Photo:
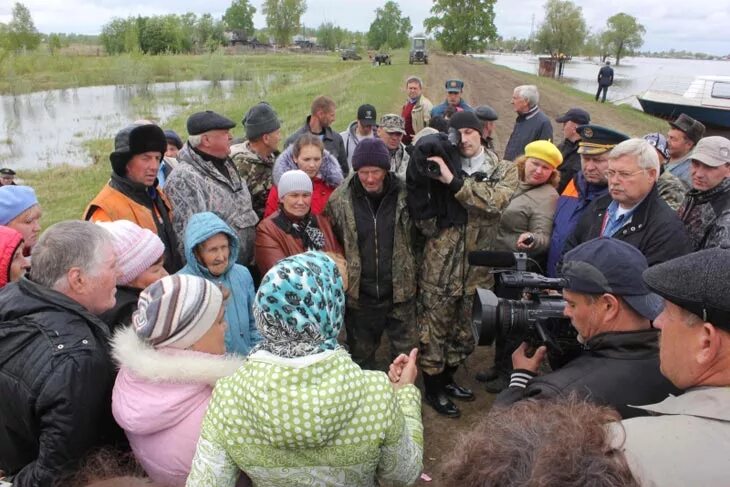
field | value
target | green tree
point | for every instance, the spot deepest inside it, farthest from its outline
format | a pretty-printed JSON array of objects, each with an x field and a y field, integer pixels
[
  {"x": 329, "y": 35},
  {"x": 623, "y": 34},
  {"x": 564, "y": 29},
  {"x": 54, "y": 43},
  {"x": 283, "y": 18},
  {"x": 239, "y": 17},
  {"x": 390, "y": 28},
  {"x": 22, "y": 34},
  {"x": 462, "y": 25}
]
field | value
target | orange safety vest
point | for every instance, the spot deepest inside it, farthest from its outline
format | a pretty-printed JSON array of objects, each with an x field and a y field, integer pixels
[
  {"x": 112, "y": 205},
  {"x": 571, "y": 190}
]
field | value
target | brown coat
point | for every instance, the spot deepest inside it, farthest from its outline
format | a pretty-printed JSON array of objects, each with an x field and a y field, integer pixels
[{"x": 273, "y": 244}]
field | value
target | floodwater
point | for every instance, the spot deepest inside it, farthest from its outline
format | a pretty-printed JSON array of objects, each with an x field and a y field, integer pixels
[
  {"x": 634, "y": 76},
  {"x": 47, "y": 128}
]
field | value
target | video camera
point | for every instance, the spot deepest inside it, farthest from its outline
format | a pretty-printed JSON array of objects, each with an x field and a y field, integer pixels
[{"x": 536, "y": 318}]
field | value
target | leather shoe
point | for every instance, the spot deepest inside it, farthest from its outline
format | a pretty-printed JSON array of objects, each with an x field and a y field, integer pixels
[
  {"x": 443, "y": 405},
  {"x": 457, "y": 392},
  {"x": 486, "y": 375}
]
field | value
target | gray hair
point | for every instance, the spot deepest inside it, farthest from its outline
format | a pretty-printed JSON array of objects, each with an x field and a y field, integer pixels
[
  {"x": 65, "y": 245},
  {"x": 529, "y": 93},
  {"x": 646, "y": 156},
  {"x": 414, "y": 79},
  {"x": 195, "y": 140}
]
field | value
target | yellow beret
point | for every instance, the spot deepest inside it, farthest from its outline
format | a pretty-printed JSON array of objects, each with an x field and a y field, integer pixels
[{"x": 545, "y": 151}]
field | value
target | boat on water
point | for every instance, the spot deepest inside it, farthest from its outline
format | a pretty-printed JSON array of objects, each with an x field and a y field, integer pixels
[{"x": 705, "y": 98}]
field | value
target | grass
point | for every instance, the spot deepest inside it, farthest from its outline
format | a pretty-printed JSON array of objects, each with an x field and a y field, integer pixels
[{"x": 288, "y": 82}]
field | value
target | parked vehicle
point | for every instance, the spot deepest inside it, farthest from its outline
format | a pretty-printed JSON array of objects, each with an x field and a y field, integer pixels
[
  {"x": 381, "y": 58},
  {"x": 350, "y": 54},
  {"x": 418, "y": 52}
]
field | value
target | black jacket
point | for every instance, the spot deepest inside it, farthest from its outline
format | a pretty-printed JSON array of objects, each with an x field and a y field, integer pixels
[
  {"x": 332, "y": 142},
  {"x": 655, "y": 229},
  {"x": 614, "y": 369},
  {"x": 605, "y": 76},
  {"x": 571, "y": 163},
  {"x": 121, "y": 314},
  {"x": 529, "y": 127},
  {"x": 56, "y": 378}
]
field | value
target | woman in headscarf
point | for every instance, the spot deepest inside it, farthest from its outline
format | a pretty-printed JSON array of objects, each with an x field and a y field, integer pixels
[
  {"x": 13, "y": 264},
  {"x": 294, "y": 228},
  {"x": 300, "y": 412}
]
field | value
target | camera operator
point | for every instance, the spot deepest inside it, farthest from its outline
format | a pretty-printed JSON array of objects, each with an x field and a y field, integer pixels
[
  {"x": 611, "y": 308},
  {"x": 456, "y": 192}
]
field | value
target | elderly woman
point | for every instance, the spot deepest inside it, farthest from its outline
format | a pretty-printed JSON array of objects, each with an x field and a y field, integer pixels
[
  {"x": 307, "y": 153},
  {"x": 300, "y": 412},
  {"x": 294, "y": 228},
  {"x": 170, "y": 359},
  {"x": 19, "y": 209},
  {"x": 13, "y": 264}
]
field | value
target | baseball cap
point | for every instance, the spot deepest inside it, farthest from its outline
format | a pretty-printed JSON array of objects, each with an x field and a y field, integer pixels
[
  {"x": 576, "y": 115},
  {"x": 659, "y": 142},
  {"x": 712, "y": 151},
  {"x": 393, "y": 123},
  {"x": 366, "y": 114}
]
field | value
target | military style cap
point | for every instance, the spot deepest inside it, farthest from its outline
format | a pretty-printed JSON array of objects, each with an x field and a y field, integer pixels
[
  {"x": 712, "y": 151},
  {"x": 393, "y": 123},
  {"x": 692, "y": 128},
  {"x": 485, "y": 113},
  {"x": 595, "y": 139},
  {"x": 202, "y": 122},
  {"x": 454, "y": 86},
  {"x": 575, "y": 115},
  {"x": 367, "y": 115},
  {"x": 6, "y": 171},
  {"x": 697, "y": 282}
]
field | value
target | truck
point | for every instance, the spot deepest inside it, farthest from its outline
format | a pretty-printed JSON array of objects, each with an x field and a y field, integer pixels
[{"x": 418, "y": 52}]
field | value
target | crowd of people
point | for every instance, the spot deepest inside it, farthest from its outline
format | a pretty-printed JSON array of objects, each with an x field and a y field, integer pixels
[{"x": 219, "y": 307}]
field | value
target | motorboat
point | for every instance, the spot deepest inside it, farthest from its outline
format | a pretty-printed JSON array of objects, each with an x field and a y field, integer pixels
[{"x": 705, "y": 98}]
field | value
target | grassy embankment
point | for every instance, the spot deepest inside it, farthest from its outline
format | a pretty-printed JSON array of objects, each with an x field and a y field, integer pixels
[{"x": 289, "y": 82}]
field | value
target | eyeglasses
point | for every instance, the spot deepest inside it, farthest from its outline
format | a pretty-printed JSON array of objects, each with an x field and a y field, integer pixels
[{"x": 621, "y": 175}]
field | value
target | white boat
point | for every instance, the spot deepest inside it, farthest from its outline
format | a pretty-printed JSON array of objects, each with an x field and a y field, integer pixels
[{"x": 705, "y": 98}]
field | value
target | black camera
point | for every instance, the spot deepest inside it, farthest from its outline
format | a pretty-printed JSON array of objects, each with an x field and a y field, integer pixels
[
  {"x": 433, "y": 170},
  {"x": 537, "y": 318}
]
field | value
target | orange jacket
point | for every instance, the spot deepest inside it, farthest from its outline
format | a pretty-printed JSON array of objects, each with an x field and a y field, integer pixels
[{"x": 110, "y": 205}]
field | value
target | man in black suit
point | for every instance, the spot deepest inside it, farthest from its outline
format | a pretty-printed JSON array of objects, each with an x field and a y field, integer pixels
[{"x": 605, "y": 79}]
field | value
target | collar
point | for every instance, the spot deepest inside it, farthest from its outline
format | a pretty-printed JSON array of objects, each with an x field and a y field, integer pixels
[
  {"x": 701, "y": 402},
  {"x": 637, "y": 344},
  {"x": 207, "y": 157},
  {"x": 723, "y": 187},
  {"x": 138, "y": 192},
  {"x": 529, "y": 113}
]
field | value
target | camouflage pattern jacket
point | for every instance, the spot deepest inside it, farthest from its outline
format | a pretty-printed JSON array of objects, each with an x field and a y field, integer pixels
[
  {"x": 399, "y": 162},
  {"x": 671, "y": 189},
  {"x": 256, "y": 171},
  {"x": 706, "y": 216},
  {"x": 341, "y": 214},
  {"x": 445, "y": 270},
  {"x": 196, "y": 185}
]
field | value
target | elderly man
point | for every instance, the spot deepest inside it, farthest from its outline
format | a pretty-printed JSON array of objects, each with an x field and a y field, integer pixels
[
  {"x": 369, "y": 216},
  {"x": 319, "y": 122},
  {"x": 683, "y": 136},
  {"x": 56, "y": 375},
  {"x": 611, "y": 308},
  {"x": 417, "y": 110},
  {"x": 7, "y": 177},
  {"x": 686, "y": 441},
  {"x": 133, "y": 193},
  {"x": 391, "y": 131},
  {"x": 587, "y": 185},
  {"x": 455, "y": 196},
  {"x": 360, "y": 129},
  {"x": 569, "y": 146},
  {"x": 454, "y": 100},
  {"x": 488, "y": 116},
  {"x": 706, "y": 209},
  {"x": 531, "y": 124},
  {"x": 633, "y": 211},
  {"x": 255, "y": 157}
]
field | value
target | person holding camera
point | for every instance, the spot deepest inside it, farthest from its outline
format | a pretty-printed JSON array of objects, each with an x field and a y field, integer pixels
[
  {"x": 456, "y": 193},
  {"x": 611, "y": 308}
]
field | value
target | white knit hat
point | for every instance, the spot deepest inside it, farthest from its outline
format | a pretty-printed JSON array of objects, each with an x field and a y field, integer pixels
[
  {"x": 294, "y": 180},
  {"x": 136, "y": 248}
]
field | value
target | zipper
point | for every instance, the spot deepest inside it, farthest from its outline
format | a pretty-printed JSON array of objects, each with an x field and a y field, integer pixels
[{"x": 375, "y": 231}]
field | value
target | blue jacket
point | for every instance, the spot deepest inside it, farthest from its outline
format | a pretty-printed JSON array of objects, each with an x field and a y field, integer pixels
[
  {"x": 439, "y": 110},
  {"x": 241, "y": 334},
  {"x": 575, "y": 199}
]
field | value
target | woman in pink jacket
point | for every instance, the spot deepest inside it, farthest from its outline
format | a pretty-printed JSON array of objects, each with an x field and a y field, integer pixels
[{"x": 170, "y": 359}]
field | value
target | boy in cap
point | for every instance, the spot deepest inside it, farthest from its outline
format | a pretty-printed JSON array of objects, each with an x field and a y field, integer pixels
[
  {"x": 706, "y": 209},
  {"x": 359, "y": 129},
  {"x": 132, "y": 192},
  {"x": 207, "y": 180},
  {"x": 611, "y": 308},
  {"x": 255, "y": 157},
  {"x": 454, "y": 91},
  {"x": 391, "y": 131},
  {"x": 684, "y": 134}
]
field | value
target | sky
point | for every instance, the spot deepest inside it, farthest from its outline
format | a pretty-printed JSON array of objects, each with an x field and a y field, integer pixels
[{"x": 670, "y": 24}]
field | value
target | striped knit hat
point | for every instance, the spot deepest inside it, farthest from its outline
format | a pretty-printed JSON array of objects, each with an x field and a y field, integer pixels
[
  {"x": 136, "y": 248},
  {"x": 177, "y": 311}
]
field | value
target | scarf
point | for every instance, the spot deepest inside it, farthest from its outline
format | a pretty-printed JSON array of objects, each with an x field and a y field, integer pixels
[{"x": 305, "y": 230}]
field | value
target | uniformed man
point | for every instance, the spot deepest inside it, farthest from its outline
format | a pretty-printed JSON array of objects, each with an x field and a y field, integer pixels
[
  {"x": 7, "y": 176},
  {"x": 455, "y": 195},
  {"x": 454, "y": 91}
]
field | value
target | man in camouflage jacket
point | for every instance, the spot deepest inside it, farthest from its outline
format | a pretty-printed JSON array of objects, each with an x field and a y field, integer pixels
[
  {"x": 369, "y": 216},
  {"x": 458, "y": 211}
]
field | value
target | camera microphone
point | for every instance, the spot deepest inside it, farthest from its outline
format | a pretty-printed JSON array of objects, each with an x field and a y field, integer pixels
[{"x": 487, "y": 258}]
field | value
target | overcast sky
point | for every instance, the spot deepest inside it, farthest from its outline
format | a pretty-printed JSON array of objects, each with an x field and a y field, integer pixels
[{"x": 678, "y": 24}]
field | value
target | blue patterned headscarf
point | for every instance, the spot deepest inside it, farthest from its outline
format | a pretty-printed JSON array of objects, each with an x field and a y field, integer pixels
[{"x": 300, "y": 306}]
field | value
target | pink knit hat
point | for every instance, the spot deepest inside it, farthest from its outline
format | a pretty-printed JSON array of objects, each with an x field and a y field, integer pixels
[{"x": 136, "y": 248}]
